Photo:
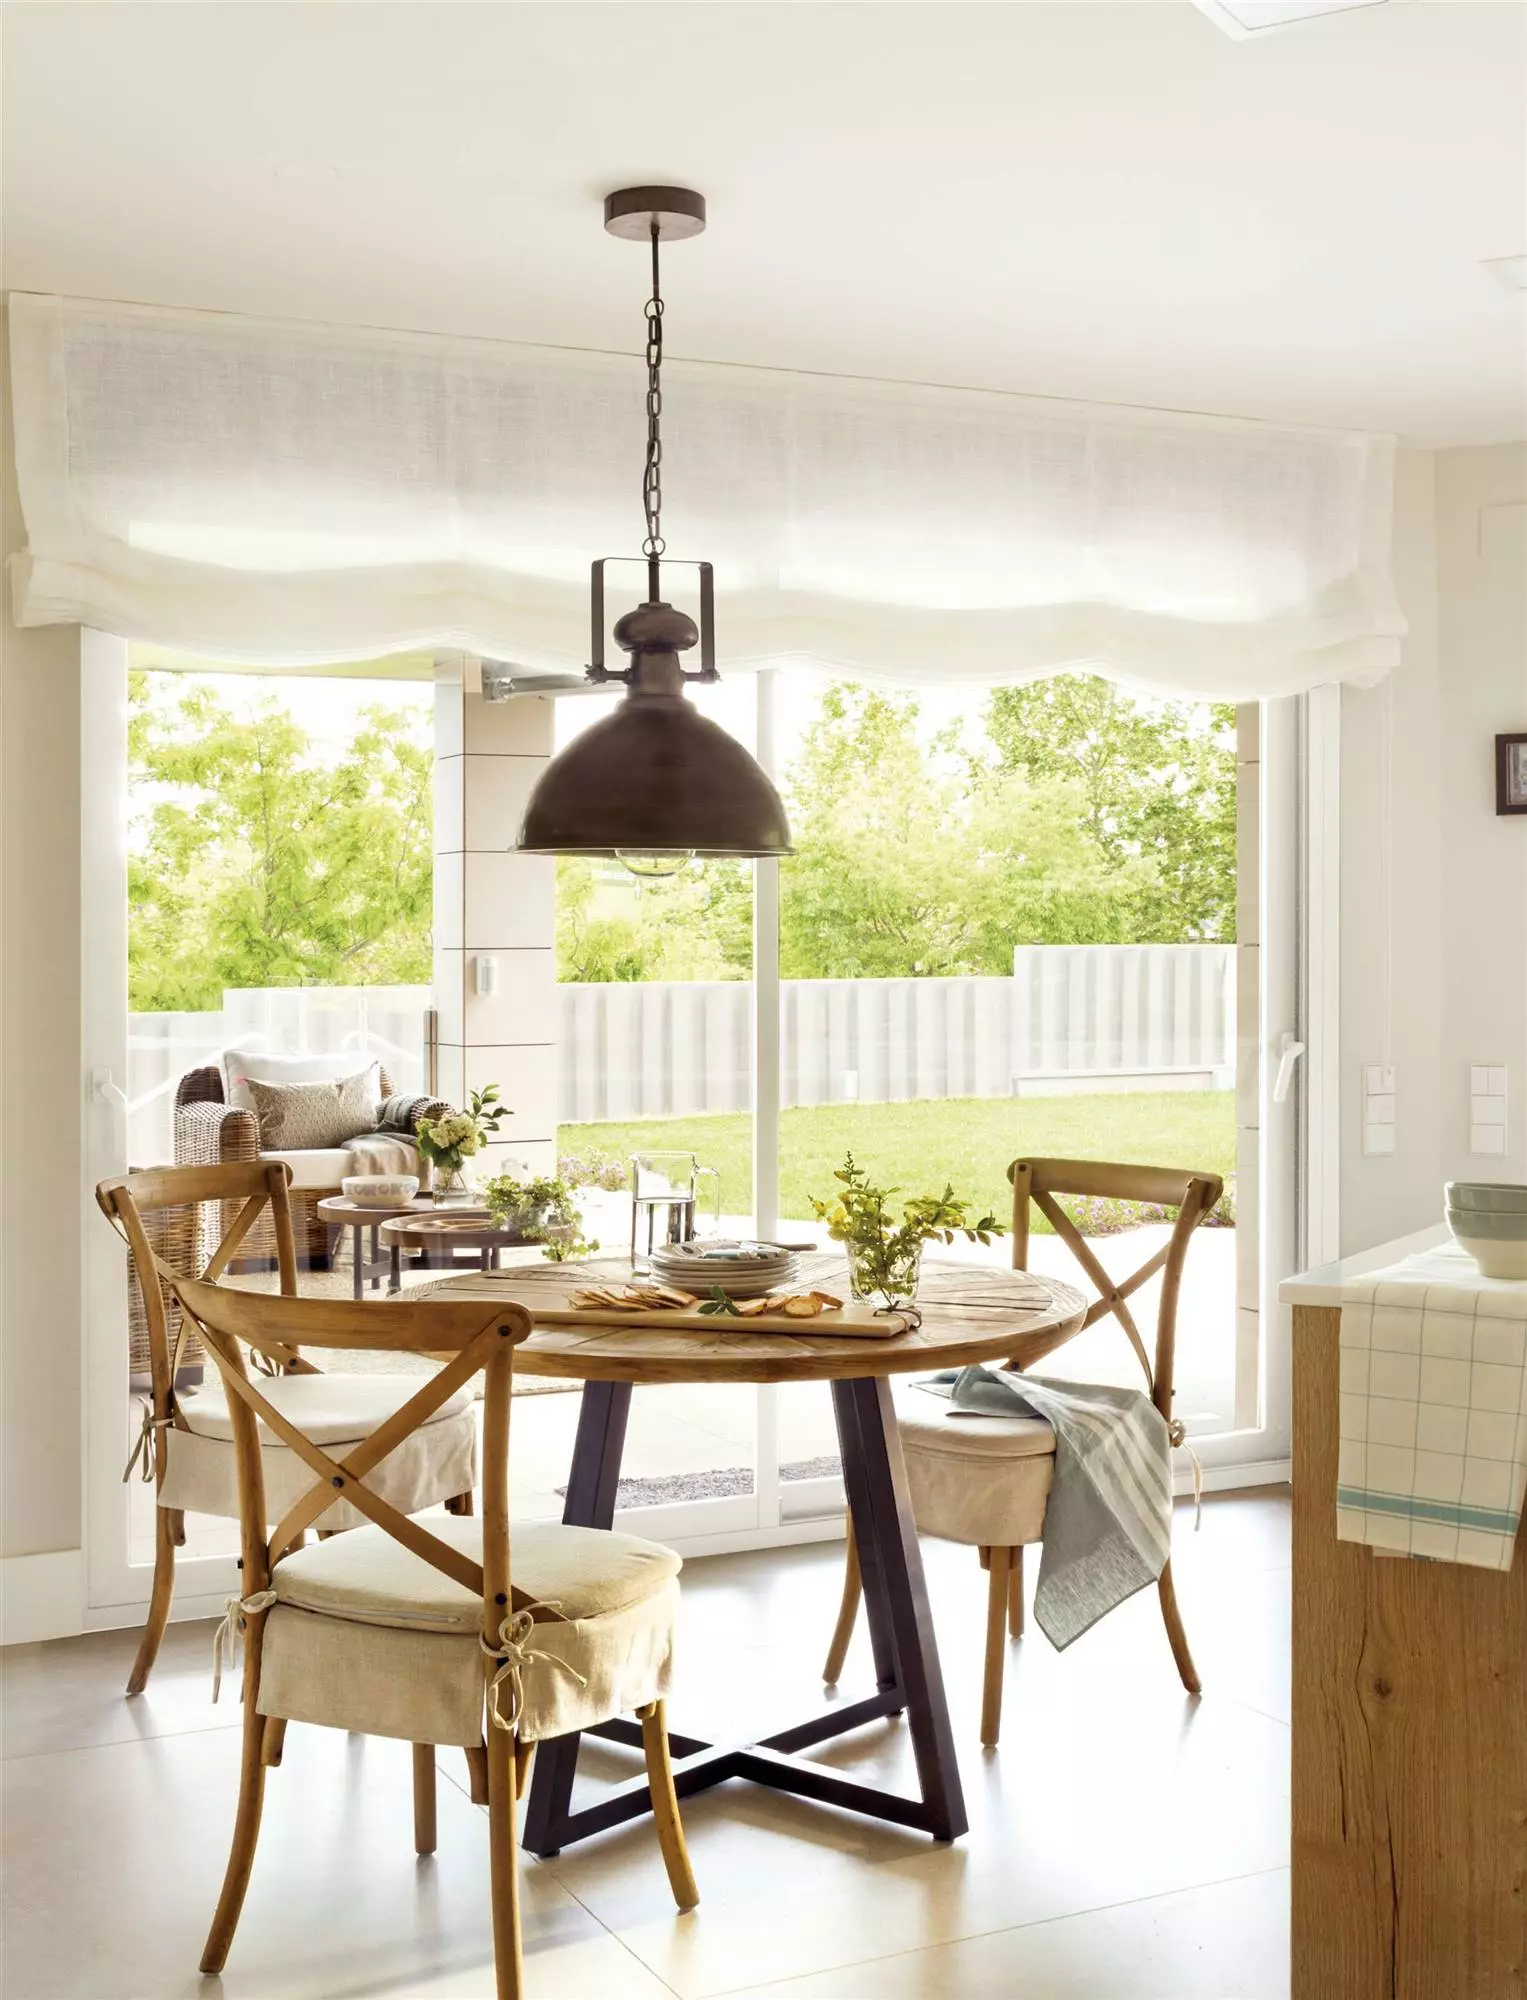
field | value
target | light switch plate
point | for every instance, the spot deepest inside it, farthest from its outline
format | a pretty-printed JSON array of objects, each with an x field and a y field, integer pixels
[
  {"x": 1488, "y": 1105},
  {"x": 1379, "y": 1109}
]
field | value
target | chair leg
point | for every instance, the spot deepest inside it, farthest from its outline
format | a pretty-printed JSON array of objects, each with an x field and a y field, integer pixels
[
  {"x": 504, "y": 1866},
  {"x": 424, "y": 1798},
  {"x": 273, "y": 1742},
  {"x": 460, "y": 1503},
  {"x": 246, "y": 1831},
  {"x": 1015, "y": 1594},
  {"x": 848, "y": 1611},
  {"x": 665, "y": 1805},
  {"x": 477, "y": 1775},
  {"x": 996, "y": 1648},
  {"x": 159, "y": 1602},
  {"x": 1177, "y": 1638}
]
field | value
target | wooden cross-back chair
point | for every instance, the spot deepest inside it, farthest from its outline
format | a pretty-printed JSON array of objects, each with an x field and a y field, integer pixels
[
  {"x": 987, "y": 1483},
  {"x": 418, "y": 1631},
  {"x": 185, "y": 1441}
]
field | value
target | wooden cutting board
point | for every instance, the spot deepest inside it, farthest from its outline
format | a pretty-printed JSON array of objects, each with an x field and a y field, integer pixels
[{"x": 545, "y": 1292}]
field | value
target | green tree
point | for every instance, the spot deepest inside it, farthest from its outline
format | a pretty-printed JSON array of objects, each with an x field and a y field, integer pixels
[
  {"x": 911, "y": 862},
  {"x": 255, "y": 863},
  {"x": 1155, "y": 781},
  {"x": 694, "y": 925}
]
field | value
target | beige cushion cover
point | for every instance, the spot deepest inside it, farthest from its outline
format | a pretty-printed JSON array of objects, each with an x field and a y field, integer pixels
[
  {"x": 336, "y": 1411},
  {"x": 981, "y": 1480},
  {"x": 370, "y": 1637},
  {"x": 317, "y": 1166}
]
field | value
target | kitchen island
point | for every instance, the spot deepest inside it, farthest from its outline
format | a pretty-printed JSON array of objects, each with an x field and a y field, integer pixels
[{"x": 1409, "y": 1727}]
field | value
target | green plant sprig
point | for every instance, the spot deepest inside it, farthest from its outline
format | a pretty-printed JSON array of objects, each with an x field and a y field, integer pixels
[{"x": 861, "y": 1217}]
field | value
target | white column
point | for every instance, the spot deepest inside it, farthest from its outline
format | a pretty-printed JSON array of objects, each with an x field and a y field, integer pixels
[{"x": 495, "y": 914}]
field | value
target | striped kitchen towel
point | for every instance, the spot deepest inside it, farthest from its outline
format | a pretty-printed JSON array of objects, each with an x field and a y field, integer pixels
[
  {"x": 1433, "y": 1456},
  {"x": 1108, "y": 1520}
]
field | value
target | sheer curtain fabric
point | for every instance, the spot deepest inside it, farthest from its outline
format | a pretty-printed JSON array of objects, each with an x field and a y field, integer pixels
[{"x": 294, "y": 493}]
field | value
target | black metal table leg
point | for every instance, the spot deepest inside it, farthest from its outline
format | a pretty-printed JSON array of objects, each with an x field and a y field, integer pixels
[
  {"x": 357, "y": 1259},
  {"x": 906, "y": 1656},
  {"x": 876, "y": 1478},
  {"x": 591, "y": 1484}
]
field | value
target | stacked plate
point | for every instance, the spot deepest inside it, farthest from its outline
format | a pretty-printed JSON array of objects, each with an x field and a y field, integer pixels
[
  {"x": 742, "y": 1270},
  {"x": 1489, "y": 1220}
]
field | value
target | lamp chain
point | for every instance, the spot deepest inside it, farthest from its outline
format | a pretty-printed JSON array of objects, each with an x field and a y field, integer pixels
[{"x": 652, "y": 476}]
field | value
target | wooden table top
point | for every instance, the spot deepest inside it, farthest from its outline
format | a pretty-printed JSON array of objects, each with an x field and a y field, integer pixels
[
  {"x": 448, "y": 1228},
  {"x": 970, "y": 1312},
  {"x": 340, "y": 1208}
]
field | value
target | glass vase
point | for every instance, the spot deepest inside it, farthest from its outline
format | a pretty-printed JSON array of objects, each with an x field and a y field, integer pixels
[
  {"x": 889, "y": 1279},
  {"x": 450, "y": 1186}
]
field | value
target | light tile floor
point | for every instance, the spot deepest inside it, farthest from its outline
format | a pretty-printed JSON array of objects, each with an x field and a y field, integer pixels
[{"x": 1125, "y": 1844}]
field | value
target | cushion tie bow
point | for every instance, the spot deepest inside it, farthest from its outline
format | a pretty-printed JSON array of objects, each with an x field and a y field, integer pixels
[
  {"x": 230, "y": 1632},
  {"x": 143, "y": 1445},
  {"x": 1177, "y": 1437},
  {"x": 513, "y": 1653}
]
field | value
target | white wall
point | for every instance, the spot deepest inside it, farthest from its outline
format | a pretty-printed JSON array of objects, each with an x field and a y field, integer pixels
[
  {"x": 41, "y": 1100},
  {"x": 1456, "y": 875}
]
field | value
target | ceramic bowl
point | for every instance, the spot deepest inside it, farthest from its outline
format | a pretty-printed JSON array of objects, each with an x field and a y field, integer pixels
[
  {"x": 1495, "y": 1239},
  {"x": 1490, "y": 1197},
  {"x": 380, "y": 1190}
]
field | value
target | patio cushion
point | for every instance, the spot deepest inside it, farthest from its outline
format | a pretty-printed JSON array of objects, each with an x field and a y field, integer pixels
[
  {"x": 316, "y": 1167},
  {"x": 980, "y": 1480},
  {"x": 434, "y": 1463},
  {"x": 239, "y": 1065},
  {"x": 368, "y": 1636},
  {"x": 310, "y": 1115}
]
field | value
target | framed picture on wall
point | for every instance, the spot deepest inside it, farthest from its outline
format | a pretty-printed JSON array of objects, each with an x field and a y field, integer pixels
[{"x": 1511, "y": 773}]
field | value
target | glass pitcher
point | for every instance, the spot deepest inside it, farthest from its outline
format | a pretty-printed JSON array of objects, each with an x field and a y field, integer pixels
[{"x": 666, "y": 1203}]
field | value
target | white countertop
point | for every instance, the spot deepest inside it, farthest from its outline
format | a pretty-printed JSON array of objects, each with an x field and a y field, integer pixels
[{"x": 1322, "y": 1286}]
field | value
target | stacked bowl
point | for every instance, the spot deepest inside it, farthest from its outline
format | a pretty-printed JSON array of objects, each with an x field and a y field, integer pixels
[
  {"x": 1489, "y": 1220},
  {"x": 741, "y": 1270}
]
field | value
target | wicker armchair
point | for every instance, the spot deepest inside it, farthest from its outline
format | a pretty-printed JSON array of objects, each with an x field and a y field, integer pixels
[{"x": 211, "y": 1132}]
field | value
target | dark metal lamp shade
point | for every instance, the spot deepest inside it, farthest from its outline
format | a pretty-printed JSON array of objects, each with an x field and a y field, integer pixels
[{"x": 656, "y": 777}]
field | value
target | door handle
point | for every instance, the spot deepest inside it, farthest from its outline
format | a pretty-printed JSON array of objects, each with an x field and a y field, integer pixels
[
  {"x": 1289, "y": 1052},
  {"x": 105, "y": 1091}
]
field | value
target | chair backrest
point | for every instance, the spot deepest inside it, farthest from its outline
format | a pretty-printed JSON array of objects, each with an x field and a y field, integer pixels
[
  {"x": 158, "y": 1255},
  {"x": 464, "y": 1334},
  {"x": 1190, "y": 1191}
]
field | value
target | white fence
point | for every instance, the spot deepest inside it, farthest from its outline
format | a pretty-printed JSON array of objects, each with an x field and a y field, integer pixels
[
  {"x": 386, "y": 1022},
  {"x": 1070, "y": 1016}
]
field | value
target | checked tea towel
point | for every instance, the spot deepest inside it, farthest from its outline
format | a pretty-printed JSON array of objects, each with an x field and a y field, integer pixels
[{"x": 1433, "y": 1459}]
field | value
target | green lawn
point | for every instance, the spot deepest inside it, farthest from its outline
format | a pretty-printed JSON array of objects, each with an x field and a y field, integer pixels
[{"x": 966, "y": 1140}]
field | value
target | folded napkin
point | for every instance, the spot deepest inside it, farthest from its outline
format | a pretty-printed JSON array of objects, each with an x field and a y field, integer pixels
[
  {"x": 1108, "y": 1521},
  {"x": 1433, "y": 1455}
]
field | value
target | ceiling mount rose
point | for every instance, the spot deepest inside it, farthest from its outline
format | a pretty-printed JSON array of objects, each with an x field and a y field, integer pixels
[
  {"x": 655, "y": 784},
  {"x": 673, "y": 213}
]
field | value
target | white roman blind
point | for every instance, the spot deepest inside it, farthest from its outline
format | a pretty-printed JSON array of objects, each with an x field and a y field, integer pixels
[{"x": 295, "y": 493}]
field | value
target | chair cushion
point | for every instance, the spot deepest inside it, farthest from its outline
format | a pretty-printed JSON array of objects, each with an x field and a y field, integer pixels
[
  {"x": 432, "y": 1464},
  {"x": 368, "y": 1577},
  {"x": 980, "y": 1480},
  {"x": 368, "y": 1637},
  {"x": 330, "y": 1409},
  {"x": 315, "y": 1166}
]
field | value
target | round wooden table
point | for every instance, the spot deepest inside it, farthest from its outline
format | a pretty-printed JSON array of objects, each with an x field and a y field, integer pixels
[
  {"x": 970, "y": 1313},
  {"x": 443, "y": 1237}
]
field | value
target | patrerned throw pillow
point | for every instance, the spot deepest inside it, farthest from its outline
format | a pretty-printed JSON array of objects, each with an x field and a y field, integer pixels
[{"x": 302, "y": 1117}]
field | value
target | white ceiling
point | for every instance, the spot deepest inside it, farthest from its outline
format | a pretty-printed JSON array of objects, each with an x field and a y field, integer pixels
[{"x": 1077, "y": 199}]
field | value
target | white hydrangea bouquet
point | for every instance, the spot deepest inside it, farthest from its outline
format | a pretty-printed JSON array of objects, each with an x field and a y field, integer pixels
[{"x": 449, "y": 1142}]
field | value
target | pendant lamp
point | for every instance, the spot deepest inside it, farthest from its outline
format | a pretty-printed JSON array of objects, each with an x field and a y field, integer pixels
[{"x": 656, "y": 783}]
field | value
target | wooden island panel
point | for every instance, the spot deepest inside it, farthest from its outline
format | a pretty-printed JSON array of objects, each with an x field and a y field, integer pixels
[{"x": 1409, "y": 1745}]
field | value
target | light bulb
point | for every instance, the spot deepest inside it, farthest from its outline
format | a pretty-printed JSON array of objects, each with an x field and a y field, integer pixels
[{"x": 652, "y": 867}]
